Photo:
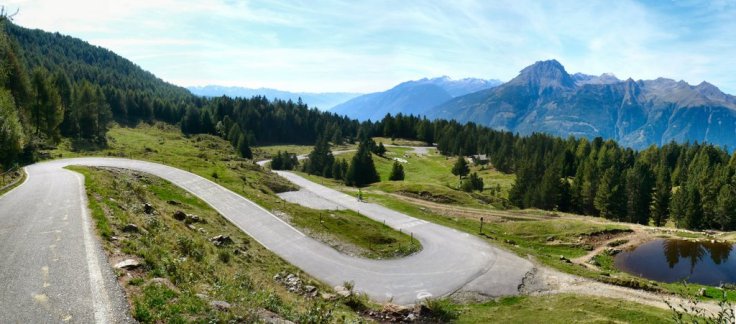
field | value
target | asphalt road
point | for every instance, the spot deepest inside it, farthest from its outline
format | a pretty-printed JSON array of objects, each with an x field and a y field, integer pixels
[{"x": 55, "y": 271}]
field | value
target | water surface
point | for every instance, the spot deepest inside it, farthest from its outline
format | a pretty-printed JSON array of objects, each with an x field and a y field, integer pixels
[{"x": 670, "y": 260}]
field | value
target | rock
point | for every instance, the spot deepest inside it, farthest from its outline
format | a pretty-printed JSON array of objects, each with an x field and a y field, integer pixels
[
  {"x": 220, "y": 305},
  {"x": 180, "y": 215},
  {"x": 342, "y": 291},
  {"x": 190, "y": 219},
  {"x": 221, "y": 240},
  {"x": 550, "y": 238},
  {"x": 327, "y": 296},
  {"x": 512, "y": 242},
  {"x": 131, "y": 228},
  {"x": 411, "y": 317},
  {"x": 148, "y": 208},
  {"x": 310, "y": 289},
  {"x": 270, "y": 317},
  {"x": 564, "y": 259},
  {"x": 202, "y": 296},
  {"x": 128, "y": 264},
  {"x": 191, "y": 227},
  {"x": 612, "y": 251},
  {"x": 395, "y": 310},
  {"x": 702, "y": 292},
  {"x": 173, "y": 202}
]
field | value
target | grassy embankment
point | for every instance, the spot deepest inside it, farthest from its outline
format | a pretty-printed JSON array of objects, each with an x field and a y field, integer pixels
[
  {"x": 214, "y": 159},
  {"x": 182, "y": 270},
  {"x": 12, "y": 180}
]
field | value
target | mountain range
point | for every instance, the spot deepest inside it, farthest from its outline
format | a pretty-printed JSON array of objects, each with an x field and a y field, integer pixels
[
  {"x": 545, "y": 98},
  {"x": 322, "y": 101},
  {"x": 411, "y": 97}
]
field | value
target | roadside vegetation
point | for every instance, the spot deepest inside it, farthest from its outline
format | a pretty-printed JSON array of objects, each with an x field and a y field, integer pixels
[
  {"x": 191, "y": 264},
  {"x": 11, "y": 179},
  {"x": 215, "y": 159}
]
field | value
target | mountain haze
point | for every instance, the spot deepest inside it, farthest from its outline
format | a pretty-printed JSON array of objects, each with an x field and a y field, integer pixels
[
  {"x": 545, "y": 98},
  {"x": 322, "y": 101},
  {"x": 411, "y": 97}
]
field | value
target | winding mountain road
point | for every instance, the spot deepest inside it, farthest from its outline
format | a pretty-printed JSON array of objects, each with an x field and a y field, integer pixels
[{"x": 54, "y": 268}]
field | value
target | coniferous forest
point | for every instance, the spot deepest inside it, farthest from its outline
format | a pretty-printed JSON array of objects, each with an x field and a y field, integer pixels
[{"x": 54, "y": 86}]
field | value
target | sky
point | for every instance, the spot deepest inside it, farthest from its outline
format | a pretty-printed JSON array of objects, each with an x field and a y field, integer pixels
[{"x": 372, "y": 45}]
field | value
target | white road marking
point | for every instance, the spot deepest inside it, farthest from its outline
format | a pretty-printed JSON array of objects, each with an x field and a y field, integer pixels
[
  {"x": 100, "y": 299},
  {"x": 423, "y": 294}
]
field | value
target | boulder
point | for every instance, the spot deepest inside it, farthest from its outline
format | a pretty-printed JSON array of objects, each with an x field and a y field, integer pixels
[
  {"x": 180, "y": 215},
  {"x": 342, "y": 291},
  {"x": 128, "y": 264},
  {"x": 131, "y": 228},
  {"x": 220, "y": 305},
  {"x": 221, "y": 240},
  {"x": 148, "y": 208}
]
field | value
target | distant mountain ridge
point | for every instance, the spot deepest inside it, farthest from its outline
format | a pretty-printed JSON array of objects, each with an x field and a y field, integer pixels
[
  {"x": 545, "y": 98},
  {"x": 411, "y": 97},
  {"x": 322, "y": 101}
]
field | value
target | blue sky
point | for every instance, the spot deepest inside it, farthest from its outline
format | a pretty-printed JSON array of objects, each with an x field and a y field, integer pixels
[{"x": 371, "y": 45}]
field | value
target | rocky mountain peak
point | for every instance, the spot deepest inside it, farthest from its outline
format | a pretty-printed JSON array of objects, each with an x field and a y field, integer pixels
[{"x": 545, "y": 75}]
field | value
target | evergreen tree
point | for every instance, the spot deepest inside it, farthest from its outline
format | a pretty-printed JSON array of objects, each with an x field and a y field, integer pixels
[
  {"x": 639, "y": 185},
  {"x": 192, "y": 123},
  {"x": 380, "y": 150},
  {"x": 476, "y": 182},
  {"x": 461, "y": 167},
  {"x": 610, "y": 195},
  {"x": 661, "y": 197},
  {"x": 320, "y": 159},
  {"x": 47, "y": 111},
  {"x": 243, "y": 148},
  {"x": 362, "y": 171},
  {"x": 11, "y": 131},
  {"x": 726, "y": 208},
  {"x": 397, "y": 172}
]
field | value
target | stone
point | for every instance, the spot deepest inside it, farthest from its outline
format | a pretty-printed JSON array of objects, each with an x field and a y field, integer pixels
[
  {"x": 221, "y": 240},
  {"x": 173, "y": 202},
  {"x": 342, "y": 291},
  {"x": 131, "y": 228},
  {"x": 564, "y": 259},
  {"x": 190, "y": 219},
  {"x": 270, "y": 317},
  {"x": 148, "y": 208},
  {"x": 180, "y": 215},
  {"x": 327, "y": 296},
  {"x": 411, "y": 317},
  {"x": 702, "y": 292},
  {"x": 396, "y": 309},
  {"x": 128, "y": 264},
  {"x": 220, "y": 305}
]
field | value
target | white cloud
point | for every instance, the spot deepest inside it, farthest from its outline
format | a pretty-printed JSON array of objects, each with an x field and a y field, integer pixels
[{"x": 371, "y": 45}]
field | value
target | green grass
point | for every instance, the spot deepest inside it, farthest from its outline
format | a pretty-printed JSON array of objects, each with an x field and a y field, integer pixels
[
  {"x": 563, "y": 308},
  {"x": 207, "y": 156},
  {"x": 398, "y": 141},
  {"x": 431, "y": 173},
  {"x": 240, "y": 273}
]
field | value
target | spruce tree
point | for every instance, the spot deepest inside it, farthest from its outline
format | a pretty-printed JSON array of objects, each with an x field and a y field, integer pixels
[
  {"x": 243, "y": 148},
  {"x": 461, "y": 167},
  {"x": 362, "y": 171},
  {"x": 397, "y": 172}
]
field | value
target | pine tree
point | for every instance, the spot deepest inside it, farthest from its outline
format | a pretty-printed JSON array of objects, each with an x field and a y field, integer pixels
[
  {"x": 461, "y": 167},
  {"x": 639, "y": 185},
  {"x": 362, "y": 171},
  {"x": 47, "y": 111},
  {"x": 661, "y": 197},
  {"x": 243, "y": 148},
  {"x": 11, "y": 131},
  {"x": 609, "y": 197},
  {"x": 380, "y": 149},
  {"x": 476, "y": 182},
  {"x": 397, "y": 172},
  {"x": 726, "y": 208}
]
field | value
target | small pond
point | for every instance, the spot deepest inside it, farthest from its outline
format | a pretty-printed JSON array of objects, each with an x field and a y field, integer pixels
[{"x": 670, "y": 260}]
